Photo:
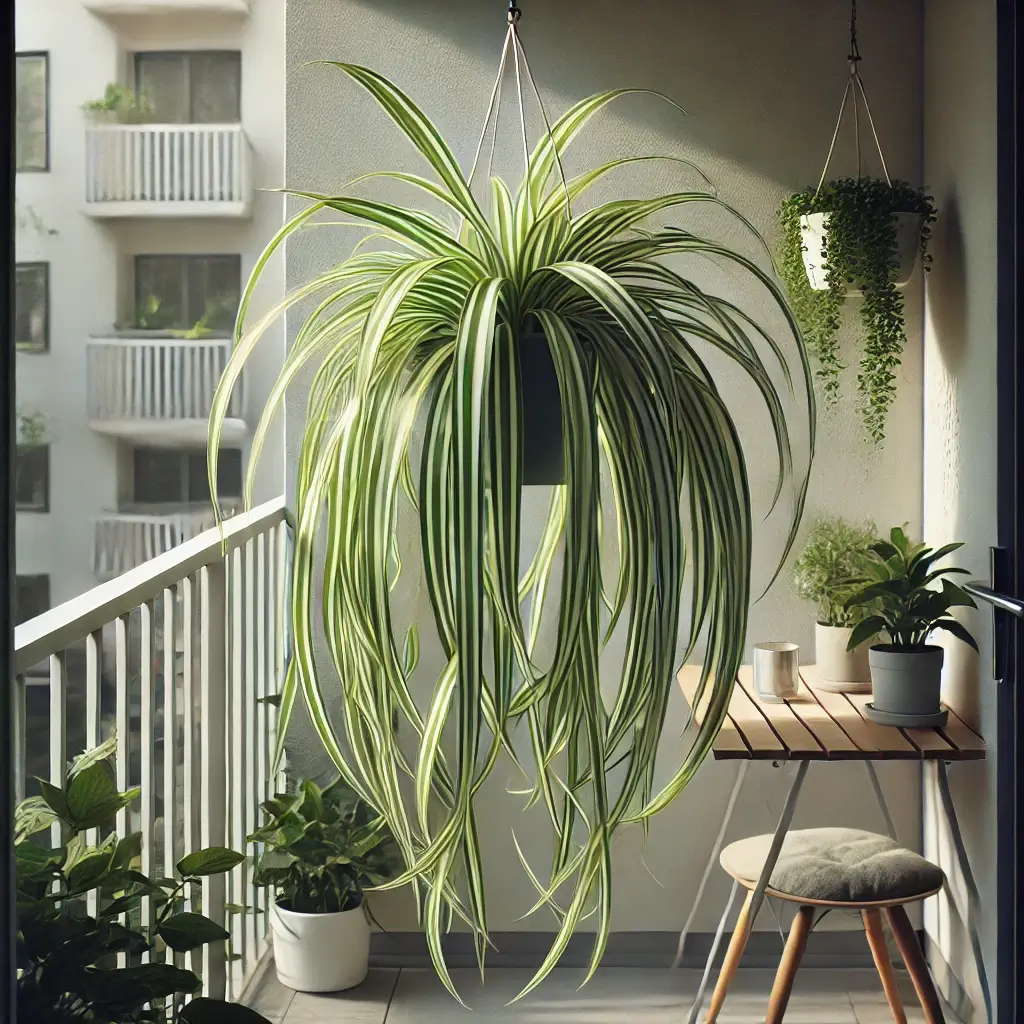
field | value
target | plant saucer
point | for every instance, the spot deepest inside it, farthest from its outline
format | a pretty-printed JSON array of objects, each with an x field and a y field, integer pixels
[{"x": 933, "y": 721}]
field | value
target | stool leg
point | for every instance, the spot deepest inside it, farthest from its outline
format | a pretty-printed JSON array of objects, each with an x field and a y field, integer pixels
[
  {"x": 876, "y": 940},
  {"x": 913, "y": 957},
  {"x": 791, "y": 957},
  {"x": 733, "y": 955}
]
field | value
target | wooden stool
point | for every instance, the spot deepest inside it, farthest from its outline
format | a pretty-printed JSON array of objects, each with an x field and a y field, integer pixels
[{"x": 835, "y": 868}]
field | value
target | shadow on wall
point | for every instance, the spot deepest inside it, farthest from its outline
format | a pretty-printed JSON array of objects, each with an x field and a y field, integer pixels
[
  {"x": 676, "y": 48},
  {"x": 947, "y": 289}
]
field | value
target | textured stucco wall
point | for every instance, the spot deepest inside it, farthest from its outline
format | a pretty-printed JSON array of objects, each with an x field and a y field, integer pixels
[
  {"x": 960, "y": 408},
  {"x": 762, "y": 90}
]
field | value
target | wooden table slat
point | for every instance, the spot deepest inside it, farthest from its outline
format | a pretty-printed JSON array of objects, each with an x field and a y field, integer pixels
[
  {"x": 729, "y": 742},
  {"x": 824, "y": 725},
  {"x": 799, "y": 740}
]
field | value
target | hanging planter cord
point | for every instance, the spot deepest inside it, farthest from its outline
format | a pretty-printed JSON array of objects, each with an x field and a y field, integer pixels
[
  {"x": 854, "y": 86},
  {"x": 522, "y": 64}
]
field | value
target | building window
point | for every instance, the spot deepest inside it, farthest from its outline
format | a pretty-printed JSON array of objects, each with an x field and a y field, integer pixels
[
  {"x": 32, "y": 135},
  {"x": 166, "y": 477},
  {"x": 195, "y": 87},
  {"x": 32, "y": 478},
  {"x": 32, "y": 306},
  {"x": 31, "y": 597},
  {"x": 179, "y": 292}
]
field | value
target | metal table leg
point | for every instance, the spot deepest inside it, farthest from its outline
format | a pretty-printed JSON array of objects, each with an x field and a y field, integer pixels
[
  {"x": 757, "y": 897},
  {"x": 712, "y": 860},
  {"x": 969, "y": 915},
  {"x": 876, "y": 785}
]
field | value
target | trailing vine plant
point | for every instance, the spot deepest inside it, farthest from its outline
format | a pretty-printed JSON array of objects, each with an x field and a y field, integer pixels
[{"x": 859, "y": 252}]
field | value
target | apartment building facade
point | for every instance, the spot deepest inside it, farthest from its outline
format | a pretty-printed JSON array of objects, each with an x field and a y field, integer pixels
[{"x": 139, "y": 221}]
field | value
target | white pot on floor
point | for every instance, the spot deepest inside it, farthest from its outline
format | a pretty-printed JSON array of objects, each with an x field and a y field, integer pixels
[
  {"x": 320, "y": 952},
  {"x": 839, "y": 670}
]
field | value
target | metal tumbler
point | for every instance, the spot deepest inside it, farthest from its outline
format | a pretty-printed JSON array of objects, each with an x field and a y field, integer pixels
[{"x": 776, "y": 671}]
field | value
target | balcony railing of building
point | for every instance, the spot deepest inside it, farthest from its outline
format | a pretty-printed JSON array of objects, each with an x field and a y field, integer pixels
[
  {"x": 167, "y": 170},
  {"x": 126, "y": 539},
  {"x": 177, "y": 657},
  {"x": 156, "y": 384}
]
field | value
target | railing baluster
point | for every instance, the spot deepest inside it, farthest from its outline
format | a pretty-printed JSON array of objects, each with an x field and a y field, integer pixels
[
  {"x": 122, "y": 713},
  {"x": 170, "y": 738},
  {"x": 262, "y": 691},
  {"x": 58, "y": 729},
  {"x": 250, "y": 779},
  {"x": 236, "y": 763},
  {"x": 189, "y": 804},
  {"x": 93, "y": 727},
  {"x": 213, "y": 750},
  {"x": 147, "y": 710}
]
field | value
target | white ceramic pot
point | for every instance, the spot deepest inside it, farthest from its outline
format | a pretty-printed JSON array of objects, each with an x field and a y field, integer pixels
[
  {"x": 907, "y": 682},
  {"x": 838, "y": 669},
  {"x": 320, "y": 952},
  {"x": 814, "y": 229}
]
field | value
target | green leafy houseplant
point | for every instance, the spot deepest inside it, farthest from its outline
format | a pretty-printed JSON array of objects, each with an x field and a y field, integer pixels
[
  {"x": 860, "y": 250},
  {"x": 901, "y": 579},
  {"x": 321, "y": 848},
  {"x": 67, "y": 958},
  {"x": 834, "y": 558},
  {"x": 121, "y": 104},
  {"x": 416, "y": 410}
]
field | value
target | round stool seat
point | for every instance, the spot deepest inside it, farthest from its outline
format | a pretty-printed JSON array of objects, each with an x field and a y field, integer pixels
[{"x": 835, "y": 865}]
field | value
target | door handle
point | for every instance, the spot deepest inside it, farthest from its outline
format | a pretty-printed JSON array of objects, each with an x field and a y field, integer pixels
[
  {"x": 994, "y": 594},
  {"x": 1004, "y": 602}
]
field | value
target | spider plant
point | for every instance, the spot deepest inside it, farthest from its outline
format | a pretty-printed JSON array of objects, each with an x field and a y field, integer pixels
[{"x": 417, "y": 404}]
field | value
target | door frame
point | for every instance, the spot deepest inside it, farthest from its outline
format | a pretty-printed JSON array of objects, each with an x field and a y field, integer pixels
[{"x": 1010, "y": 512}]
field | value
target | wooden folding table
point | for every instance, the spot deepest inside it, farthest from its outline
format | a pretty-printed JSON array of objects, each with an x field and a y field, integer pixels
[{"x": 822, "y": 726}]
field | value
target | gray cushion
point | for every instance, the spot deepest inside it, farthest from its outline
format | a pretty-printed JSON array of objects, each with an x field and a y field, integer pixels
[{"x": 842, "y": 865}]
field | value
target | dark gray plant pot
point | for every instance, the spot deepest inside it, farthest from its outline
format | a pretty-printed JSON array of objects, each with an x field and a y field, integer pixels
[
  {"x": 906, "y": 682},
  {"x": 543, "y": 461}
]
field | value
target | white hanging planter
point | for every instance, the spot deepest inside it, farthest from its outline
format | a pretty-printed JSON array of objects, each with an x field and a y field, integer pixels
[
  {"x": 320, "y": 952},
  {"x": 814, "y": 230}
]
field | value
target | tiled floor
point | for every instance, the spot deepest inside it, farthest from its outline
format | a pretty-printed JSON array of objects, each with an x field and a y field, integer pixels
[{"x": 613, "y": 996}]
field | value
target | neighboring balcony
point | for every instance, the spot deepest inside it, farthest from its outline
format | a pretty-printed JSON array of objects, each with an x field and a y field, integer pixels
[
  {"x": 125, "y": 540},
  {"x": 167, "y": 6},
  {"x": 168, "y": 170},
  {"x": 154, "y": 388}
]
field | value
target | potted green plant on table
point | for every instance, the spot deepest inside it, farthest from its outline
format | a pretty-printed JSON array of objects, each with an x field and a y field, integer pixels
[
  {"x": 319, "y": 850},
  {"x": 418, "y": 410},
  {"x": 906, "y": 673},
  {"x": 67, "y": 955},
  {"x": 834, "y": 557},
  {"x": 855, "y": 237}
]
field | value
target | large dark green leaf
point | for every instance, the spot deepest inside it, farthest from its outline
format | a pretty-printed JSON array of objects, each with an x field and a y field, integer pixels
[
  {"x": 183, "y": 932},
  {"x": 93, "y": 798},
  {"x": 213, "y": 861},
  {"x": 215, "y": 1011}
]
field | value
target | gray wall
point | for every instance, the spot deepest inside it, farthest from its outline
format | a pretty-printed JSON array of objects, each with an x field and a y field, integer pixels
[
  {"x": 762, "y": 89},
  {"x": 960, "y": 418}
]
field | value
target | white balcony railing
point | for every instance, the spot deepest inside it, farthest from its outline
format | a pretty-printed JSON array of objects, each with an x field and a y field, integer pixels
[
  {"x": 177, "y": 656},
  {"x": 137, "y": 384},
  {"x": 125, "y": 540},
  {"x": 156, "y": 170}
]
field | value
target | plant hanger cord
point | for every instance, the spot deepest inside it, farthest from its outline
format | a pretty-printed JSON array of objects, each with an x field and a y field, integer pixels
[
  {"x": 854, "y": 84},
  {"x": 522, "y": 65}
]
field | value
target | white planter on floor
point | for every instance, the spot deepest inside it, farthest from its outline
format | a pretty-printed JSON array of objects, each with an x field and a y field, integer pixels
[
  {"x": 320, "y": 952},
  {"x": 814, "y": 229},
  {"x": 839, "y": 670}
]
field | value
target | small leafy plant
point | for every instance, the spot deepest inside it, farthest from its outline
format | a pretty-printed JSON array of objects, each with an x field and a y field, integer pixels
[
  {"x": 900, "y": 580},
  {"x": 860, "y": 249},
  {"x": 123, "y": 105},
  {"x": 67, "y": 958},
  {"x": 835, "y": 556},
  {"x": 321, "y": 848}
]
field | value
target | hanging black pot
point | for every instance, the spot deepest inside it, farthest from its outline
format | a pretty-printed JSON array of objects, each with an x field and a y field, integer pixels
[{"x": 543, "y": 461}]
